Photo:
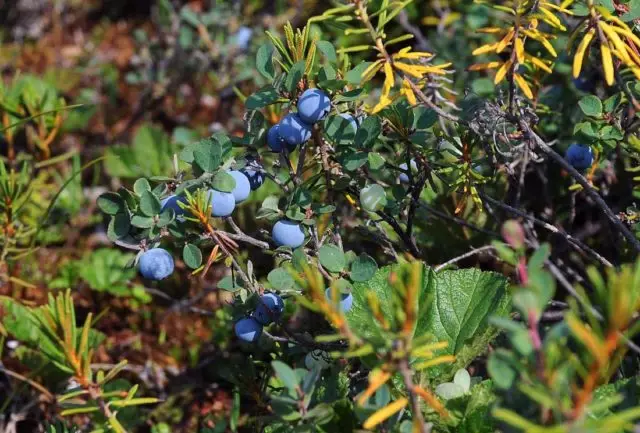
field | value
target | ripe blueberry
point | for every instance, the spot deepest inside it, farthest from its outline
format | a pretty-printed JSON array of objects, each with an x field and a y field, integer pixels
[
  {"x": 171, "y": 202},
  {"x": 294, "y": 130},
  {"x": 288, "y": 233},
  {"x": 352, "y": 121},
  {"x": 404, "y": 178},
  {"x": 579, "y": 156},
  {"x": 156, "y": 264},
  {"x": 222, "y": 203},
  {"x": 243, "y": 187},
  {"x": 346, "y": 300},
  {"x": 254, "y": 172},
  {"x": 248, "y": 329},
  {"x": 269, "y": 308},
  {"x": 313, "y": 105},
  {"x": 243, "y": 37},
  {"x": 275, "y": 141}
]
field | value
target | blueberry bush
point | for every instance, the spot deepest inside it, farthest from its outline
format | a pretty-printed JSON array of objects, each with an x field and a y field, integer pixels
[{"x": 363, "y": 216}]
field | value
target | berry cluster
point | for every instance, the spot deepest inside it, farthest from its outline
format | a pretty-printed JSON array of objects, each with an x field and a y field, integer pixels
[
  {"x": 157, "y": 264},
  {"x": 269, "y": 309}
]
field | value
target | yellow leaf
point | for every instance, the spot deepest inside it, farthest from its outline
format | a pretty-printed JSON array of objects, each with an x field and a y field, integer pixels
[
  {"x": 545, "y": 43},
  {"x": 524, "y": 86},
  {"x": 427, "y": 349},
  {"x": 579, "y": 56},
  {"x": 556, "y": 7},
  {"x": 484, "y": 49},
  {"x": 586, "y": 337},
  {"x": 406, "y": 54},
  {"x": 491, "y": 30},
  {"x": 386, "y": 88},
  {"x": 371, "y": 70},
  {"x": 519, "y": 50},
  {"x": 627, "y": 33},
  {"x": 633, "y": 55},
  {"x": 418, "y": 71},
  {"x": 551, "y": 19},
  {"x": 506, "y": 41},
  {"x": 385, "y": 413},
  {"x": 615, "y": 40},
  {"x": 482, "y": 66},
  {"x": 539, "y": 63},
  {"x": 377, "y": 378},
  {"x": 408, "y": 92},
  {"x": 502, "y": 72},
  {"x": 435, "y": 361},
  {"x": 431, "y": 400},
  {"x": 607, "y": 63}
]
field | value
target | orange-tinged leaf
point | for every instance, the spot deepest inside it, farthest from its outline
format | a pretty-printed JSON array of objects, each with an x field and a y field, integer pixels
[
  {"x": 483, "y": 66},
  {"x": 506, "y": 41},
  {"x": 432, "y": 401},
  {"x": 502, "y": 72},
  {"x": 524, "y": 86},
  {"x": 607, "y": 62},
  {"x": 587, "y": 338},
  {"x": 385, "y": 413},
  {"x": 579, "y": 56},
  {"x": 377, "y": 378}
]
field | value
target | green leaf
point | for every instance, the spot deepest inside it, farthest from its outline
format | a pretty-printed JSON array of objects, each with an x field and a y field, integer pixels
[
  {"x": 332, "y": 258},
  {"x": 339, "y": 130},
  {"x": 208, "y": 156},
  {"x": 228, "y": 284},
  {"x": 263, "y": 97},
  {"x": 373, "y": 197},
  {"x": 363, "y": 268},
  {"x": 286, "y": 375},
  {"x": 294, "y": 76},
  {"x": 591, "y": 106},
  {"x": 141, "y": 185},
  {"x": 375, "y": 160},
  {"x": 501, "y": 369},
  {"x": 111, "y": 203},
  {"x": 328, "y": 50},
  {"x": 368, "y": 132},
  {"x": 280, "y": 279},
  {"x": 192, "y": 256},
  {"x": 224, "y": 182},
  {"x": 453, "y": 306},
  {"x": 143, "y": 222},
  {"x": 118, "y": 226},
  {"x": 149, "y": 204},
  {"x": 354, "y": 76},
  {"x": 264, "y": 62}
]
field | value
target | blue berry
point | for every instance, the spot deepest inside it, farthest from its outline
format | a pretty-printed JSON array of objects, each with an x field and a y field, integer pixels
[
  {"x": 171, "y": 202},
  {"x": 404, "y": 178},
  {"x": 352, "y": 121},
  {"x": 243, "y": 187},
  {"x": 254, "y": 172},
  {"x": 288, "y": 233},
  {"x": 275, "y": 141},
  {"x": 222, "y": 203},
  {"x": 243, "y": 37},
  {"x": 584, "y": 83},
  {"x": 294, "y": 130},
  {"x": 269, "y": 308},
  {"x": 156, "y": 264},
  {"x": 346, "y": 300},
  {"x": 579, "y": 156},
  {"x": 313, "y": 105},
  {"x": 248, "y": 329}
]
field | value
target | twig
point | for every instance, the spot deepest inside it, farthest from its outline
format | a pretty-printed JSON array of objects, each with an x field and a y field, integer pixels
[{"x": 464, "y": 256}]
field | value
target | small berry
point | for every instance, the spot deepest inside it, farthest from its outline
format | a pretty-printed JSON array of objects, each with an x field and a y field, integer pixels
[
  {"x": 254, "y": 172},
  {"x": 579, "y": 156},
  {"x": 294, "y": 130},
  {"x": 352, "y": 121},
  {"x": 248, "y": 329},
  {"x": 313, "y": 105},
  {"x": 269, "y": 308},
  {"x": 404, "y": 178},
  {"x": 243, "y": 37},
  {"x": 171, "y": 202},
  {"x": 243, "y": 187},
  {"x": 156, "y": 264},
  {"x": 346, "y": 300},
  {"x": 222, "y": 203},
  {"x": 288, "y": 233},
  {"x": 275, "y": 141}
]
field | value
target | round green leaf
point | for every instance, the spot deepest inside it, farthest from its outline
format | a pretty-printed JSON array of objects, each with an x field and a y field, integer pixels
[
  {"x": 111, "y": 203},
  {"x": 141, "y": 185},
  {"x": 591, "y": 106},
  {"x": 373, "y": 197},
  {"x": 332, "y": 258},
  {"x": 149, "y": 204},
  {"x": 224, "y": 182},
  {"x": 192, "y": 256},
  {"x": 280, "y": 279},
  {"x": 118, "y": 226},
  {"x": 363, "y": 268},
  {"x": 500, "y": 370}
]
